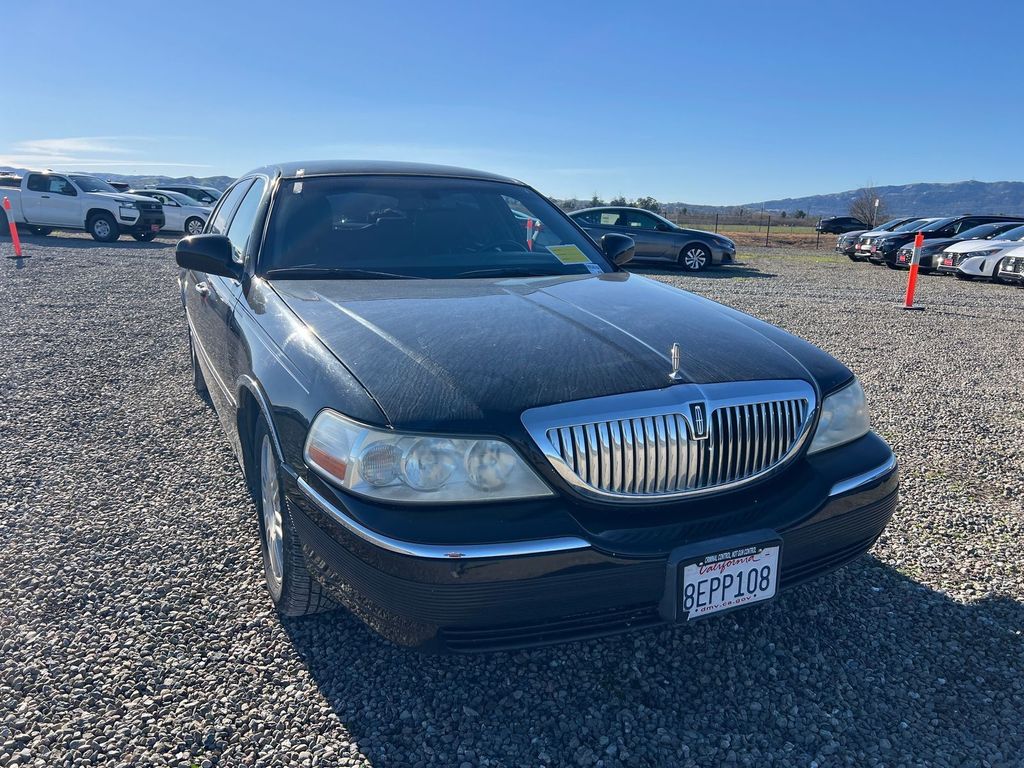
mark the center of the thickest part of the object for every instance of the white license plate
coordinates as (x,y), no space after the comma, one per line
(730,579)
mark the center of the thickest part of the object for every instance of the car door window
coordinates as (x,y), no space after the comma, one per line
(638,220)
(229,202)
(244,219)
(58,185)
(38,183)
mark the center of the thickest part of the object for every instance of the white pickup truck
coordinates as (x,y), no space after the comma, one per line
(45,201)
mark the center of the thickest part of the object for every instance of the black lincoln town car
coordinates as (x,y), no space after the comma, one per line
(462,420)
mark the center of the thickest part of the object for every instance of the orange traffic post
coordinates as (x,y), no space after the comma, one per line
(908,302)
(14,230)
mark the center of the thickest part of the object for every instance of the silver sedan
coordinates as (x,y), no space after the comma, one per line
(657,238)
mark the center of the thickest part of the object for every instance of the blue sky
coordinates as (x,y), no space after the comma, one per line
(712,102)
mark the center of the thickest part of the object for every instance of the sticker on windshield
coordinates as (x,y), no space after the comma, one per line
(569,254)
(594,269)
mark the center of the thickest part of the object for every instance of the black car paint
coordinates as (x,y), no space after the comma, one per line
(435,356)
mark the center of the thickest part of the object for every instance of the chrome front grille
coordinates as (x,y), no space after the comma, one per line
(652,449)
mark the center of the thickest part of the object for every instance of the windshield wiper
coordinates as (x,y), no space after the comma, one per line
(338,273)
(512,272)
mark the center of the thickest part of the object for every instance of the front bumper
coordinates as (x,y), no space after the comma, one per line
(1012,270)
(574,583)
(978,266)
(722,254)
(133,221)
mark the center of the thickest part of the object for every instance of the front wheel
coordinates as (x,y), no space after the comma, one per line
(144,237)
(103,228)
(41,231)
(291,587)
(194,226)
(694,257)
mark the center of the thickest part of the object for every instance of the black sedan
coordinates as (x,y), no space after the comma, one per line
(837,225)
(658,239)
(932,248)
(478,435)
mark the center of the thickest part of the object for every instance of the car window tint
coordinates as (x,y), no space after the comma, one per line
(61,186)
(37,183)
(590,217)
(637,220)
(229,202)
(242,223)
(612,219)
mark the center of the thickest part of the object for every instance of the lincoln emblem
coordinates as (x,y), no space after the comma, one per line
(675,355)
(699,421)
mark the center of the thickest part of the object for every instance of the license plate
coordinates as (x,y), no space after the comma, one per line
(874,249)
(154,227)
(733,578)
(903,258)
(947,262)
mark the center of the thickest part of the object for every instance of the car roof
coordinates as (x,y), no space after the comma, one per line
(373,167)
(612,208)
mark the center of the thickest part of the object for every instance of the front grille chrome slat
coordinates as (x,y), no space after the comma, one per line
(653,455)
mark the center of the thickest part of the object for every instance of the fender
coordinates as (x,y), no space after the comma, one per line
(246,382)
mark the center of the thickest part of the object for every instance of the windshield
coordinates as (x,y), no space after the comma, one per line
(890,225)
(420,227)
(179,198)
(912,226)
(984,231)
(1017,233)
(91,184)
(935,225)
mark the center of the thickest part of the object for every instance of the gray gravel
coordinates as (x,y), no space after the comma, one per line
(134,627)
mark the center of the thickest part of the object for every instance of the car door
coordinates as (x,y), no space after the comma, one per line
(174,218)
(51,199)
(651,243)
(208,302)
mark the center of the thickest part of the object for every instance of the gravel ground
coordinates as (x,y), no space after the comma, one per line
(134,627)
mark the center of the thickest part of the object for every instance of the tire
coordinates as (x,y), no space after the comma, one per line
(995,273)
(194,226)
(41,231)
(294,591)
(103,228)
(5,229)
(144,237)
(694,257)
(198,380)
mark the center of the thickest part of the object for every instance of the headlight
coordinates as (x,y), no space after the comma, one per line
(400,466)
(972,254)
(844,417)
(127,204)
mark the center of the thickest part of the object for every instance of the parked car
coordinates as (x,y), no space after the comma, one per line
(181,212)
(657,238)
(932,250)
(1011,269)
(972,259)
(885,247)
(9,180)
(46,201)
(473,445)
(837,225)
(202,195)
(846,243)
(866,242)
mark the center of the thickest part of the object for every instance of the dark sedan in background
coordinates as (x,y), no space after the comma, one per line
(657,238)
(477,435)
(846,243)
(837,225)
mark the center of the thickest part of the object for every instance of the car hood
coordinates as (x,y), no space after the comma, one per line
(119,196)
(474,354)
(967,246)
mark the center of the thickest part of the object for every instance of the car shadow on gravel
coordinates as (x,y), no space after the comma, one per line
(43,243)
(727,272)
(864,663)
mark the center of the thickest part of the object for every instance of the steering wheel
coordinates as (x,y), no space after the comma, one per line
(497,246)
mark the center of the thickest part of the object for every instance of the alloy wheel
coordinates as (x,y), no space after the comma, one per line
(695,258)
(273,525)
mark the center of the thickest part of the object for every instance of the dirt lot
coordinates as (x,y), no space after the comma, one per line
(134,627)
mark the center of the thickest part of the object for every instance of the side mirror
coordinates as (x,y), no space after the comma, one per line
(664,227)
(211,254)
(618,248)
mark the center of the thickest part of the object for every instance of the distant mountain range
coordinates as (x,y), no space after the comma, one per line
(905,200)
(220,182)
(909,199)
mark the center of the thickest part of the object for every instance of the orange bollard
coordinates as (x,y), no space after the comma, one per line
(14,230)
(908,302)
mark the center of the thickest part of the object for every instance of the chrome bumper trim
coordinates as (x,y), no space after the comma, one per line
(440,551)
(851,483)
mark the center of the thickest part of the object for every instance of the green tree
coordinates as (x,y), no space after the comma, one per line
(800,214)
(596,200)
(620,200)
(649,204)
